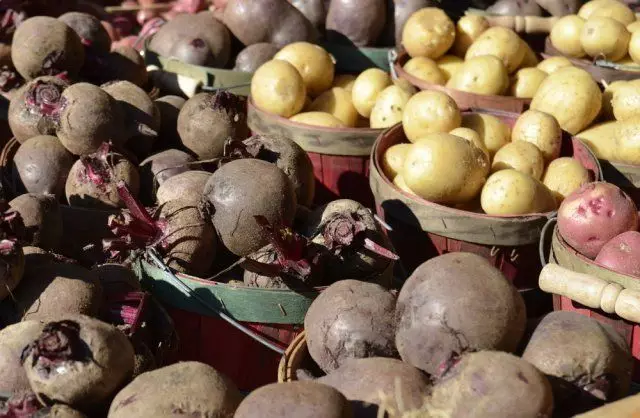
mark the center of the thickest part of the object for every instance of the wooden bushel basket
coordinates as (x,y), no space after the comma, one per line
(464,100)
(564,255)
(422,229)
(340,156)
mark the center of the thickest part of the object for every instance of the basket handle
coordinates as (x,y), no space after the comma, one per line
(186,288)
(551,222)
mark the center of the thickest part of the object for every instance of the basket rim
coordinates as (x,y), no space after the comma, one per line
(296,348)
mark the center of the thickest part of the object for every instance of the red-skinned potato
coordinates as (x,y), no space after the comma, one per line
(515,8)
(359,21)
(593,215)
(622,254)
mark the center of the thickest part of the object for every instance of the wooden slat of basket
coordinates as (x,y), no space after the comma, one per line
(292,359)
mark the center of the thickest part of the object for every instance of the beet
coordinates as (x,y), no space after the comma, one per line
(10,81)
(290,158)
(142,117)
(169,107)
(208,120)
(34,109)
(92,181)
(125,63)
(91,32)
(116,278)
(42,219)
(79,361)
(144,360)
(42,165)
(351,319)
(11,254)
(253,56)
(185,185)
(235,198)
(53,289)
(186,388)
(46,46)
(351,233)
(26,404)
(12,340)
(156,169)
(177,230)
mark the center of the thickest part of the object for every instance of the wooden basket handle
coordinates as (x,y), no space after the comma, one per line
(523,24)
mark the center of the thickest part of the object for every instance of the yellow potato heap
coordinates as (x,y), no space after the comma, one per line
(478,161)
(471,56)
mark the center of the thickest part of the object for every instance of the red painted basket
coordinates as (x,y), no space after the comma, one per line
(340,156)
(421,229)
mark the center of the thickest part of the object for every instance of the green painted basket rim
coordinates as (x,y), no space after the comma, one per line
(353,58)
(245,304)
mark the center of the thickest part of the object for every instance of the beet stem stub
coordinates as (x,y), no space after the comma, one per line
(46,99)
(20,405)
(137,210)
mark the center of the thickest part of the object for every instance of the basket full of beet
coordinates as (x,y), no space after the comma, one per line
(594,254)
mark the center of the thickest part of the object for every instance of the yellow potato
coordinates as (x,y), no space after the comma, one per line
(429,112)
(500,42)
(565,36)
(315,65)
(494,133)
(471,136)
(429,32)
(541,130)
(521,156)
(526,82)
(481,75)
(405,85)
(607,97)
(630,64)
(366,89)
(553,64)
(444,168)
(277,87)
(633,26)
(449,64)
(468,29)
(634,47)
(337,102)
(530,59)
(564,176)
(627,141)
(616,11)
(393,160)
(389,107)
(605,37)
(589,7)
(626,101)
(318,119)
(399,182)
(571,96)
(425,69)
(345,81)
(510,192)
(601,139)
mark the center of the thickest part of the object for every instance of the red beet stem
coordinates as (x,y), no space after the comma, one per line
(380,250)
(138,211)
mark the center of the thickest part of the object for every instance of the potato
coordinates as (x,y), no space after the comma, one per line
(627,141)
(625,102)
(530,58)
(442,311)
(468,29)
(583,351)
(318,119)
(622,254)
(445,168)
(634,46)
(600,139)
(393,160)
(526,82)
(491,384)
(493,132)
(617,11)
(449,65)
(510,192)
(590,6)
(552,64)
(560,8)
(314,64)
(399,182)
(592,215)
(471,136)
(337,102)
(429,32)
(366,89)
(571,96)
(515,8)
(481,75)
(277,87)
(565,36)
(607,98)
(389,107)
(605,37)
(632,27)
(429,112)
(346,81)
(357,22)
(564,176)
(520,156)
(542,130)
(425,69)
(500,42)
